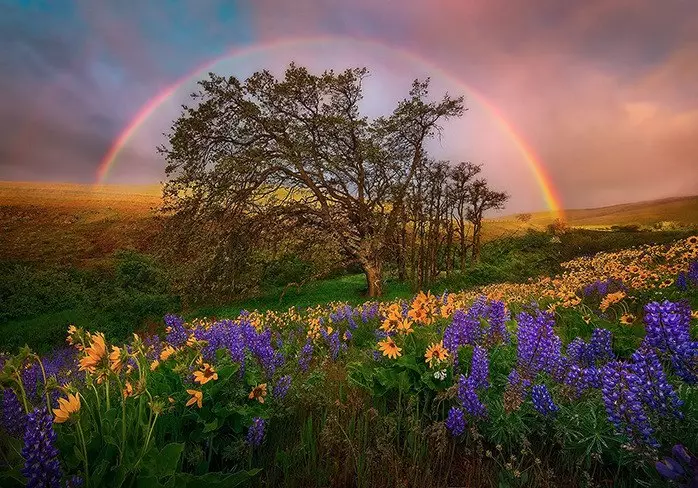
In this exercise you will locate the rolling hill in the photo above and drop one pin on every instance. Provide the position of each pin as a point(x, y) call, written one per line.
point(82, 224)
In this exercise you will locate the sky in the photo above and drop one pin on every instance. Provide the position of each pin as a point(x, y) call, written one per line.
point(603, 93)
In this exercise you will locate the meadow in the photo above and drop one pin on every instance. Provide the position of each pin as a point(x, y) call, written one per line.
point(559, 359)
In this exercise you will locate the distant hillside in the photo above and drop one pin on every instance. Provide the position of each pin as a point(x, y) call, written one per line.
point(680, 210)
point(81, 224)
point(74, 224)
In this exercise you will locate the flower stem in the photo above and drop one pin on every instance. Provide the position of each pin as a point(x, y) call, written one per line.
point(43, 374)
point(84, 453)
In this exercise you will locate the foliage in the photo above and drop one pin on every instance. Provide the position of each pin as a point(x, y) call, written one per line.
point(265, 154)
point(595, 381)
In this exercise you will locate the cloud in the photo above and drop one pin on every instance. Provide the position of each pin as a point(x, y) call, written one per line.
point(602, 90)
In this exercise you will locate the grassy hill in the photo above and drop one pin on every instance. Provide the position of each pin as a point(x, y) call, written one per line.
point(680, 210)
point(83, 225)
point(74, 224)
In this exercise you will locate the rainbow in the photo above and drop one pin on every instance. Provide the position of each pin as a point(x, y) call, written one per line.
point(547, 188)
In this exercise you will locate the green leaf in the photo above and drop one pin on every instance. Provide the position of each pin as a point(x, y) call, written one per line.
point(211, 426)
point(168, 459)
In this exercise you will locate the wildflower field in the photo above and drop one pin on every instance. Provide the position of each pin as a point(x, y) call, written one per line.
point(589, 378)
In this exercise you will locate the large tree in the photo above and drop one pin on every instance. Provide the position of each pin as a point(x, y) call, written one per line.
point(298, 148)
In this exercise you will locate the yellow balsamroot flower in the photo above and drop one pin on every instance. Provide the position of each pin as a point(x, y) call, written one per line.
point(128, 390)
point(206, 374)
point(610, 299)
point(436, 353)
point(258, 393)
point(694, 314)
point(627, 319)
point(405, 327)
point(389, 348)
point(167, 352)
point(94, 353)
point(66, 407)
point(196, 397)
point(116, 359)
point(154, 365)
point(72, 330)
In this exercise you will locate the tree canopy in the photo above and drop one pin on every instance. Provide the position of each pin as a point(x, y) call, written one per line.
point(297, 151)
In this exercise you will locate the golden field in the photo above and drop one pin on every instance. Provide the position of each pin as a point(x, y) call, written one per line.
point(73, 223)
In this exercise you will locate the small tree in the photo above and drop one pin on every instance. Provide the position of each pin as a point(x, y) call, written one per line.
point(524, 217)
point(481, 199)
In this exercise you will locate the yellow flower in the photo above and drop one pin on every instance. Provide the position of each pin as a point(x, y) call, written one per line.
point(116, 359)
point(627, 319)
point(259, 392)
point(389, 348)
point(66, 407)
point(196, 397)
point(694, 314)
point(167, 352)
point(128, 390)
point(94, 353)
point(436, 353)
point(405, 326)
point(154, 365)
point(206, 374)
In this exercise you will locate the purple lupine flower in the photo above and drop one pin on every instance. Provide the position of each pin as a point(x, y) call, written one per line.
point(592, 377)
point(668, 331)
point(685, 362)
point(692, 274)
point(380, 334)
point(333, 342)
point(281, 387)
point(348, 335)
point(623, 402)
point(468, 397)
point(74, 482)
point(497, 317)
point(682, 281)
point(599, 348)
point(681, 467)
point(455, 423)
point(480, 368)
point(405, 308)
point(576, 351)
point(538, 347)
point(575, 380)
point(597, 351)
point(656, 392)
point(305, 355)
point(260, 346)
point(543, 400)
point(255, 434)
point(32, 378)
point(465, 329)
point(667, 324)
point(41, 465)
point(13, 417)
point(177, 334)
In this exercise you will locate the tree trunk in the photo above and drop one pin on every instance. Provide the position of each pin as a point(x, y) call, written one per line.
point(477, 229)
point(374, 278)
point(402, 256)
